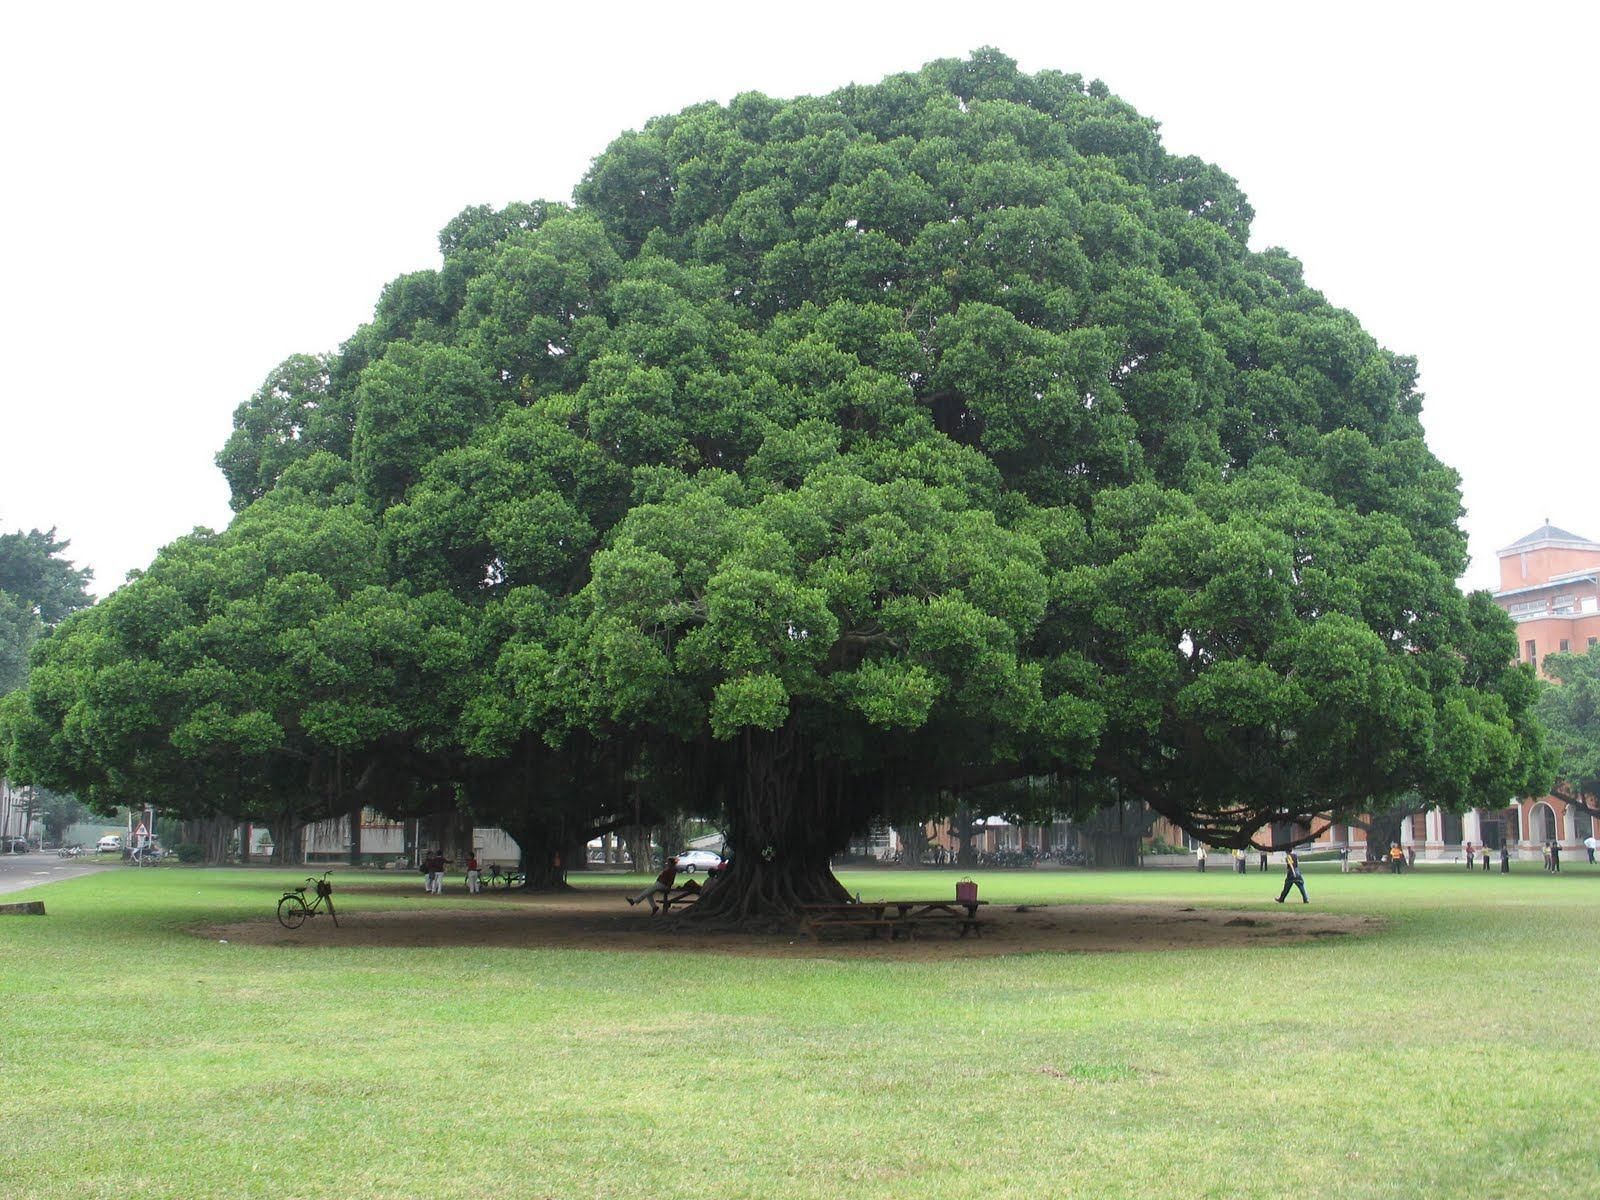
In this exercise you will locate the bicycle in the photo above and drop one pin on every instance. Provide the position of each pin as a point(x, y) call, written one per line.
point(293, 909)
point(504, 880)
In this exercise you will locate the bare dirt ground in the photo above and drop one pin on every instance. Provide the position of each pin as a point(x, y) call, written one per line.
point(600, 919)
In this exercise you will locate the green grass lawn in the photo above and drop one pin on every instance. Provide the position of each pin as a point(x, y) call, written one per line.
point(1453, 1054)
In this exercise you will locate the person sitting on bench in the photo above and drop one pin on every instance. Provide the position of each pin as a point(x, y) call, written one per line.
point(664, 886)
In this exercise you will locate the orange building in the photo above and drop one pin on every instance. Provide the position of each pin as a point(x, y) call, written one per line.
point(1550, 586)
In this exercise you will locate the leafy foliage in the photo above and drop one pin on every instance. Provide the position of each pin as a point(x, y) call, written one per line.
point(38, 588)
point(1570, 711)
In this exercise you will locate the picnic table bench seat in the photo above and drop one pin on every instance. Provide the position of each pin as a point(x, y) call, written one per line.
point(680, 897)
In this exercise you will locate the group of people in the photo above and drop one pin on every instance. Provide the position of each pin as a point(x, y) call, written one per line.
point(1397, 858)
point(1485, 853)
point(433, 865)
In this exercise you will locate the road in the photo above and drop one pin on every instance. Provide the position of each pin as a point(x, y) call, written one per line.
point(18, 871)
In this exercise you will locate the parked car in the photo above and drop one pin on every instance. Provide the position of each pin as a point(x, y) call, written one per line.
point(111, 843)
point(17, 846)
point(691, 861)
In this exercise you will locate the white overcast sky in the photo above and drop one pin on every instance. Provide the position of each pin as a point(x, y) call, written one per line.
point(191, 193)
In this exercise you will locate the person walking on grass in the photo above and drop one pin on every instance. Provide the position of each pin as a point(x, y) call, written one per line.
point(1239, 864)
point(433, 866)
point(1396, 857)
point(1467, 849)
point(1589, 846)
point(1263, 864)
point(472, 875)
point(1292, 877)
point(1199, 858)
point(1505, 859)
point(1344, 860)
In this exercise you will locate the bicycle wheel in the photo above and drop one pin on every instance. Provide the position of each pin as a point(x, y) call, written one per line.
point(292, 911)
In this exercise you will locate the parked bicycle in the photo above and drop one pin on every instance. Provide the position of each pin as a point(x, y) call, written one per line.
point(505, 880)
point(73, 851)
point(293, 909)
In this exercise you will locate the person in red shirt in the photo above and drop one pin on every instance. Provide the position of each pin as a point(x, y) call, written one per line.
point(665, 883)
point(472, 874)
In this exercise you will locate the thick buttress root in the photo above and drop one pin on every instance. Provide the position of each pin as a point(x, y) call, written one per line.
point(759, 894)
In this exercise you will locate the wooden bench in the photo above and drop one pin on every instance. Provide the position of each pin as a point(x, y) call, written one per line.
point(868, 917)
point(963, 913)
point(680, 897)
point(908, 916)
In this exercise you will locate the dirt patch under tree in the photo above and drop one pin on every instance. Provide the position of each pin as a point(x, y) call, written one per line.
point(600, 919)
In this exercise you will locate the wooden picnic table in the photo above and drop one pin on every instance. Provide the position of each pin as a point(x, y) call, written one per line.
point(963, 911)
point(873, 916)
point(853, 914)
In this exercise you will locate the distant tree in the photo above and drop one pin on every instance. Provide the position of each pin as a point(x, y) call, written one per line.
point(59, 812)
point(1570, 710)
point(33, 569)
point(20, 628)
point(38, 587)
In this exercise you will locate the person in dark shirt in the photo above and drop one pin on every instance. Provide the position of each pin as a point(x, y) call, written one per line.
point(433, 867)
point(1292, 877)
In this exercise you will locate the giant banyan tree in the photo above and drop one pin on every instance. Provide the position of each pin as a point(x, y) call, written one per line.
point(820, 453)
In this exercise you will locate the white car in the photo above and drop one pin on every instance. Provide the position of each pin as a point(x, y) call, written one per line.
point(110, 843)
point(691, 861)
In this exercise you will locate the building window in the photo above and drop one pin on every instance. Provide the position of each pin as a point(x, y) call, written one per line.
point(1533, 652)
point(1564, 646)
point(1592, 641)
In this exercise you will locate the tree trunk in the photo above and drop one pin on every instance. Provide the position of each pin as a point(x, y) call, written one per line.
point(961, 826)
point(214, 839)
point(913, 841)
point(543, 859)
point(1383, 830)
point(355, 834)
point(575, 857)
point(636, 840)
point(671, 836)
point(457, 839)
point(1111, 849)
point(781, 835)
point(288, 841)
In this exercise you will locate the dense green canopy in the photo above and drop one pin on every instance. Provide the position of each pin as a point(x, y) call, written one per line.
point(823, 452)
